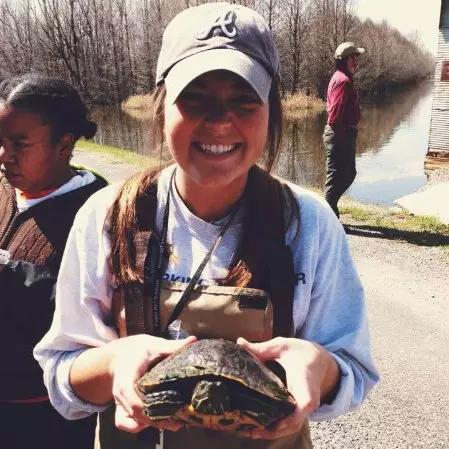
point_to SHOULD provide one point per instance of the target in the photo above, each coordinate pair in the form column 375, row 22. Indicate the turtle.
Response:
column 215, row 384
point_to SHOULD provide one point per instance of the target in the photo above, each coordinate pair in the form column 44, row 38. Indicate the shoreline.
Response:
column 391, row 222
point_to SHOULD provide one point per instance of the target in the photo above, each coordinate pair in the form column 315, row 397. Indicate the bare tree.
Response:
column 108, row 48
column 295, row 17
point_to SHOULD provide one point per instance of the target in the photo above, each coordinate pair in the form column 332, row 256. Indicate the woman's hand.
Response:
column 130, row 360
column 311, row 374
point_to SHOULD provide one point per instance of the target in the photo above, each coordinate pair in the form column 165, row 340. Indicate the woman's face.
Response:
column 28, row 158
column 217, row 129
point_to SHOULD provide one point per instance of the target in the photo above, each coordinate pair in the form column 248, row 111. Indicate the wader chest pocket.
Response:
column 211, row 312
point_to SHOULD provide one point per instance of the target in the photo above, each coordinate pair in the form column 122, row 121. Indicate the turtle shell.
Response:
column 220, row 360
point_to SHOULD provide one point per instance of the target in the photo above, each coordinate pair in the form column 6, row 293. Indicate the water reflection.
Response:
column 302, row 157
column 393, row 166
column 391, row 145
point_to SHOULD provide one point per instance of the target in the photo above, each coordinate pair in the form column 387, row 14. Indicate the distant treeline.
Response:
column 108, row 48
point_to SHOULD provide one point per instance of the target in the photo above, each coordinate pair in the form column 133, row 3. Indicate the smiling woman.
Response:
column 239, row 238
column 217, row 129
column 40, row 193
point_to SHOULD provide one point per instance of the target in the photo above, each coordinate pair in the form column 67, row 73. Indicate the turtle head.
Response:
column 211, row 397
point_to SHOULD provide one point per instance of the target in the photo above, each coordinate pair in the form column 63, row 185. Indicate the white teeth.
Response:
column 216, row 149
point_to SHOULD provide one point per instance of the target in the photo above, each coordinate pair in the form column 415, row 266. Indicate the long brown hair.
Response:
column 124, row 223
column 123, row 213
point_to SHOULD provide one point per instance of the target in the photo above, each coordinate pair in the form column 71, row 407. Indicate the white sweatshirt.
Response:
column 329, row 305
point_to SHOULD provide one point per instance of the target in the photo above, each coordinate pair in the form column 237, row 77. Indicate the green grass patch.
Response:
column 116, row 153
column 358, row 213
column 391, row 223
column 394, row 223
column 404, row 221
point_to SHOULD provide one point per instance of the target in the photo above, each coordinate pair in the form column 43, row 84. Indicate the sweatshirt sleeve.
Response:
column 83, row 303
column 330, row 307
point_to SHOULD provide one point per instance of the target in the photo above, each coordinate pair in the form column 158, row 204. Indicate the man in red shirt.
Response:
column 340, row 132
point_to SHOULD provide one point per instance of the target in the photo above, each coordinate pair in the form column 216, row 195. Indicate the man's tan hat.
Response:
column 347, row 49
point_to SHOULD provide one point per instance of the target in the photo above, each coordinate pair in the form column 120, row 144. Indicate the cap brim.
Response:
column 186, row 70
column 360, row 50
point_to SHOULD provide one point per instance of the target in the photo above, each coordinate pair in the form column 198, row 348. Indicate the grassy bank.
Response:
column 125, row 156
column 295, row 106
column 358, row 218
column 393, row 223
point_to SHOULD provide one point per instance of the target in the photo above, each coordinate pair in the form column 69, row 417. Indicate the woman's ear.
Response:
column 65, row 145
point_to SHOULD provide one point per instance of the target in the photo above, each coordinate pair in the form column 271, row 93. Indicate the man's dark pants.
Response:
column 340, row 163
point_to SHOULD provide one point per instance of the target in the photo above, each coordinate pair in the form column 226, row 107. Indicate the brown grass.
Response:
column 138, row 106
column 143, row 101
column 295, row 105
column 298, row 105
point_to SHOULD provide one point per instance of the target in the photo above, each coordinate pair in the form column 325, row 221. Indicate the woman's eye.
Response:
column 246, row 101
column 191, row 98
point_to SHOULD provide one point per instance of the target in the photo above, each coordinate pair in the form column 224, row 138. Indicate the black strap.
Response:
column 152, row 274
column 263, row 246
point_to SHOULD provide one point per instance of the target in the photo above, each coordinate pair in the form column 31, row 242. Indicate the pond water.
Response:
column 391, row 145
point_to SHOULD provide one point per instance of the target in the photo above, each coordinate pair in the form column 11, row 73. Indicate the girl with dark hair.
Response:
column 40, row 193
column 210, row 246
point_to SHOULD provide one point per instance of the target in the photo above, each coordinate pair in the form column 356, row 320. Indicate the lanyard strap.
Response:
column 191, row 285
column 153, row 267
column 152, row 273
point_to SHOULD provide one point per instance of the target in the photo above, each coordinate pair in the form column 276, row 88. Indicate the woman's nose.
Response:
column 218, row 117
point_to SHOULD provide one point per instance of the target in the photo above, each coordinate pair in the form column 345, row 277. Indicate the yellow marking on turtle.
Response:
column 233, row 420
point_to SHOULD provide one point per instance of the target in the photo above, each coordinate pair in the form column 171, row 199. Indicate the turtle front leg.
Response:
column 162, row 404
column 261, row 410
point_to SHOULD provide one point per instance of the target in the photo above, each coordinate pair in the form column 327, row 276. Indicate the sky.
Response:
column 408, row 16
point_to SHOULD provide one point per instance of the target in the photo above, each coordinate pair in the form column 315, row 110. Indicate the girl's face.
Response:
column 217, row 129
column 29, row 159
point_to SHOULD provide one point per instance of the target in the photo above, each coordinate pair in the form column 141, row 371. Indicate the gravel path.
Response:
column 113, row 170
column 407, row 298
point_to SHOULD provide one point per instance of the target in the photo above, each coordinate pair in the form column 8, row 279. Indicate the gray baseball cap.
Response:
column 217, row 36
column 347, row 49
